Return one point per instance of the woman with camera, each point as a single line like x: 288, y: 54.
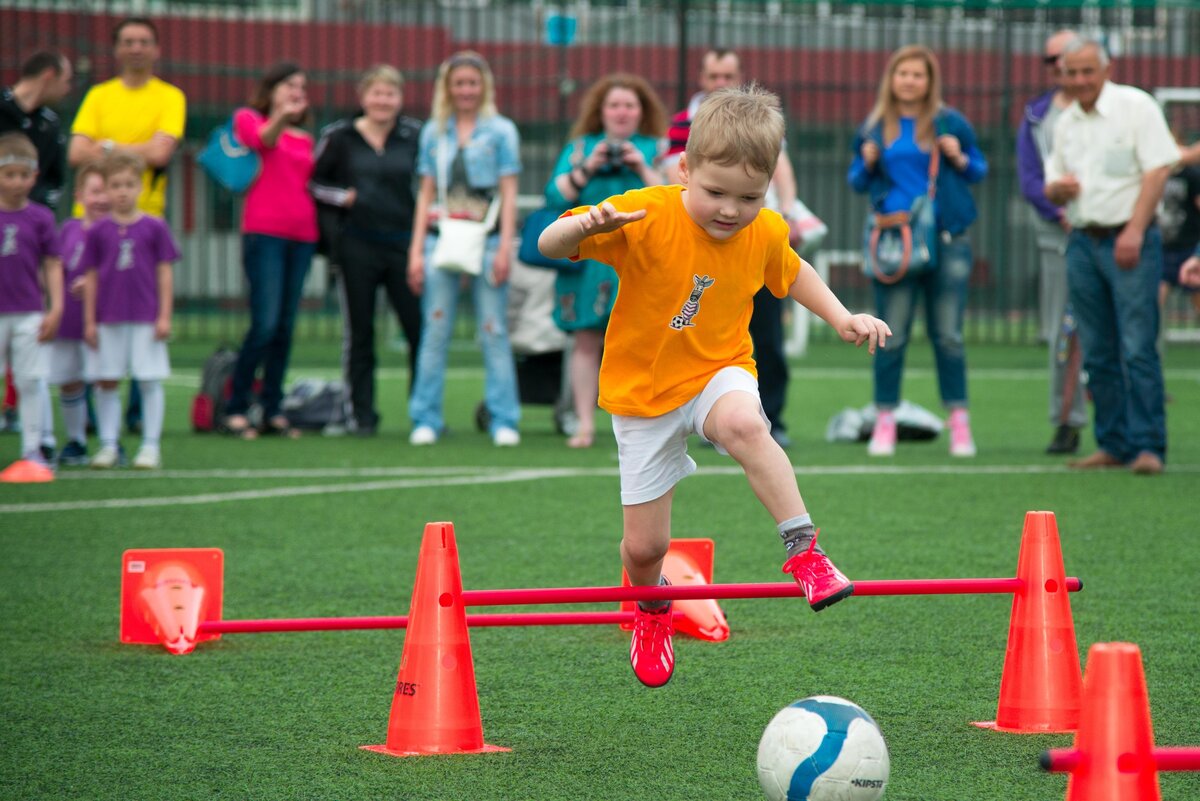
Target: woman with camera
x: 614, y: 142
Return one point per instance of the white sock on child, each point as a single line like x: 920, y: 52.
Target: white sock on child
x: 29, y: 404
x: 153, y: 404
x: 108, y: 415
x: 47, y: 415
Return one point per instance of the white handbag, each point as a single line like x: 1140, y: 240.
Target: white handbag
x: 460, y: 244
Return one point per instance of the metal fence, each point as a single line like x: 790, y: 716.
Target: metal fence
x: 823, y: 58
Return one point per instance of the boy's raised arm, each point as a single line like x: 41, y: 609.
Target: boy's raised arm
x: 561, y: 238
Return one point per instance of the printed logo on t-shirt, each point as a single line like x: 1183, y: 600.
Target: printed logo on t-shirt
x: 76, y: 255
x: 125, y: 256
x: 9, y: 248
x: 692, y: 307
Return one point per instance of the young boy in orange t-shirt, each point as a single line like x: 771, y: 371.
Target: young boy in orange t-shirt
x: 678, y: 355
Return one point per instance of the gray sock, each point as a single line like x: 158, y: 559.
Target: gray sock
x: 797, y: 534
x: 655, y: 606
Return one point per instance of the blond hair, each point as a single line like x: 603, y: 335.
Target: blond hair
x: 122, y: 161
x: 381, y: 73
x: 742, y: 126
x: 886, y: 108
x: 443, y: 105
x: 16, y: 146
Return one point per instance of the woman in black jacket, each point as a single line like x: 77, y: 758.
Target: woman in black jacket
x: 364, y: 178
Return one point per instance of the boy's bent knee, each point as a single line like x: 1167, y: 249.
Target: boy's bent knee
x: 733, y: 424
x: 644, y: 552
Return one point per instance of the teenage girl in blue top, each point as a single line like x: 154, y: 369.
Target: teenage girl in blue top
x: 891, y: 163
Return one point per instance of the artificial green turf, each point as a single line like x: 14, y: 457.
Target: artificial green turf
x: 281, y: 715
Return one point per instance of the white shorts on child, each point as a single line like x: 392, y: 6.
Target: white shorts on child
x: 19, y: 346
x: 67, y: 361
x: 653, y: 450
x: 128, y: 349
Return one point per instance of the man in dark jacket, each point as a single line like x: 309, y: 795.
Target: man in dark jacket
x: 25, y: 108
x: 1035, y: 141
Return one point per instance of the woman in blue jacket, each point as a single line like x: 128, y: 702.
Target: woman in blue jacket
x: 614, y: 144
x: 468, y: 160
x: 891, y: 163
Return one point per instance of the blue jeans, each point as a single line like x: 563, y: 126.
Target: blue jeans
x: 945, y: 293
x: 439, y: 302
x: 275, y: 270
x: 1117, y: 314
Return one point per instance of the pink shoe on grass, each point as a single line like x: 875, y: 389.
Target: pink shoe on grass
x: 823, y: 583
x: 883, y: 437
x: 651, y: 651
x: 961, y: 442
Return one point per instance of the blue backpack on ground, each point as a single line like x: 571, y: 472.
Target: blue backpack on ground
x: 229, y: 162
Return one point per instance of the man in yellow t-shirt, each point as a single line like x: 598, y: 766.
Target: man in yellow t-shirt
x: 677, y: 352
x: 134, y: 111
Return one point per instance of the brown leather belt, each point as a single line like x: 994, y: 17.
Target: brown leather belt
x: 1103, y: 231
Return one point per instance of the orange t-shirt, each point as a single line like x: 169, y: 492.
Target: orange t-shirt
x: 684, y: 301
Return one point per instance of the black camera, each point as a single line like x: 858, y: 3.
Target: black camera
x: 616, y: 155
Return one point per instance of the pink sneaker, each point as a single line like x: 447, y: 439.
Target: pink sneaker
x: 823, y: 583
x: 961, y: 442
x: 650, y: 651
x: 883, y: 438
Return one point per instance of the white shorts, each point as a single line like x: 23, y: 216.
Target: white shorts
x: 128, y: 349
x: 67, y: 360
x: 653, y: 450
x: 19, y: 346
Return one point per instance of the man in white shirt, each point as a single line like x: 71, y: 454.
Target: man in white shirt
x: 1111, y: 158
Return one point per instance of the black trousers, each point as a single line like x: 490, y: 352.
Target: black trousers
x: 365, y: 266
x: 766, y: 329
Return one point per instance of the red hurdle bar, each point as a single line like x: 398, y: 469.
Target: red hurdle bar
x: 401, y: 621
x: 564, y: 595
x: 1183, y: 757
x: 775, y: 589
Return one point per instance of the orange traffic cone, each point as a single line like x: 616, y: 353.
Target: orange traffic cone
x: 1041, y: 685
x: 435, y: 707
x: 26, y: 471
x: 689, y: 561
x: 166, y: 593
x: 1115, y: 741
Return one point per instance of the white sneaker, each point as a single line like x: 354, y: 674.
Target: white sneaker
x: 105, y: 458
x: 147, y: 459
x: 422, y: 435
x: 506, y: 438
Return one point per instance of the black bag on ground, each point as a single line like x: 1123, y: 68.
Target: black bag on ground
x: 216, y: 386
x: 315, y: 405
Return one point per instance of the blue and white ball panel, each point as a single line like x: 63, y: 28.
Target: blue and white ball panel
x: 822, y: 748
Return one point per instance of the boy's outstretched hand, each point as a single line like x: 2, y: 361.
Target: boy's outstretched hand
x: 860, y: 328
x: 604, y: 218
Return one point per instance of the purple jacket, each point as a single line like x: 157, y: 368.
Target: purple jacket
x: 1030, y: 172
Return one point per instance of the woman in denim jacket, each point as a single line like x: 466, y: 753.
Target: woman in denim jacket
x: 891, y: 164
x: 472, y: 151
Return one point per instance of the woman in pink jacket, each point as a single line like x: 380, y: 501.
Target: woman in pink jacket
x: 279, y: 235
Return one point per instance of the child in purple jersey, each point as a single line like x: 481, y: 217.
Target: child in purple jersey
x: 127, y: 310
x: 28, y: 246
x: 68, y: 353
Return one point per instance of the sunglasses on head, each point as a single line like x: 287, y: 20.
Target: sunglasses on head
x: 1051, y: 60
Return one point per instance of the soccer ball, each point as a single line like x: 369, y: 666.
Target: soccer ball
x: 822, y: 748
